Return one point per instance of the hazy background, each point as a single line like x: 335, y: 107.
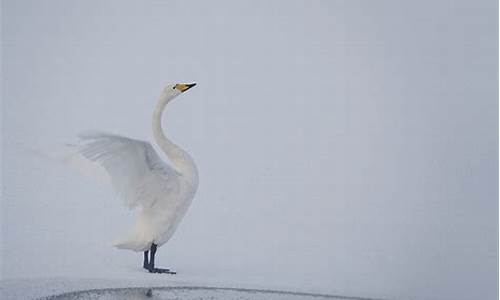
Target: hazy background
x: 343, y: 146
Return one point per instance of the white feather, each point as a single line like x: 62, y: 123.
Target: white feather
x: 135, y: 170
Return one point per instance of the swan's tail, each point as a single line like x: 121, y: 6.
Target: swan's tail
x: 139, y: 238
x: 137, y: 245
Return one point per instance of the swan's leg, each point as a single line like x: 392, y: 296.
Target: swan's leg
x: 145, y: 264
x: 151, y: 267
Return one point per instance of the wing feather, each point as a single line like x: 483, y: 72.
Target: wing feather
x: 136, y: 171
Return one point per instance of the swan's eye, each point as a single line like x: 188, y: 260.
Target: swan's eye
x: 173, y: 88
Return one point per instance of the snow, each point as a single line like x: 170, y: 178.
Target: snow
x: 59, y: 289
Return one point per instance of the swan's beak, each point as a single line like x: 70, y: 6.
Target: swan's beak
x: 184, y: 86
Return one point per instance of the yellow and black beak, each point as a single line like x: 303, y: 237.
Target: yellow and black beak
x: 184, y: 86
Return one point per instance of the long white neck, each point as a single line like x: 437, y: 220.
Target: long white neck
x: 180, y: 159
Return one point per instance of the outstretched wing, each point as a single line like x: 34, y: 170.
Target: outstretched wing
x: 136, y: 171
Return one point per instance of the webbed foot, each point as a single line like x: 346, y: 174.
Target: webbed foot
x: 161, y: 271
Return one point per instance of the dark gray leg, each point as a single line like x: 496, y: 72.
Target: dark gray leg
x: 151, y: 267
x: 145, y: 264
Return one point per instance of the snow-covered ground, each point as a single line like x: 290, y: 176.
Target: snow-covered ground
x: 105, y: 289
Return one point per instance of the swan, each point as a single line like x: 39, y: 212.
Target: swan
x: 141, y: 178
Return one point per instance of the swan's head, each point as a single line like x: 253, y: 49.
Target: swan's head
x: 173, y: 90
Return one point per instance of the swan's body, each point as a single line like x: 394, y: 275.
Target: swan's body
x: 141, y: 178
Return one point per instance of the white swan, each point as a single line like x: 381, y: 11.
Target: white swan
x: 141, y: 178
